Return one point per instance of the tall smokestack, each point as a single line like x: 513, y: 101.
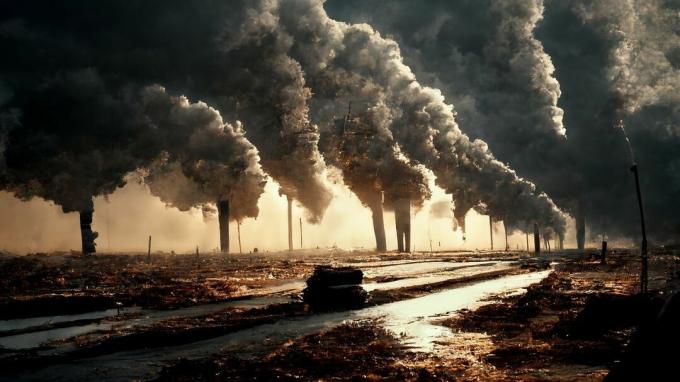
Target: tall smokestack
x: 86, y: 233
x: 290, y: 223
x: 537, y: 239
x: 223, y: 219
x: 402, y: 217
x: 580, y: 226
x: 378, y: 222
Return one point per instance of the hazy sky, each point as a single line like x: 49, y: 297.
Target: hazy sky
x: 132, y: 213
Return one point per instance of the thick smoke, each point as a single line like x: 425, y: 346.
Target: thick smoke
x: 484, y: 57
x: 613, y: 60
x: 617, y: 60
x: 352, y: 61
x: 206, y: 159
x: 207, y: 54
x: 266, y: 89
x: 74, y: 139
x: 249, y: 60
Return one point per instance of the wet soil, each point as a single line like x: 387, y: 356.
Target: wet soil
x: 357, y: 351
x: 576, y: 324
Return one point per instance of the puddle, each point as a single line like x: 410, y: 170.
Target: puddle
x: 409, y: 269
x: 25, y: 323
x: 34, y: 339
x: 414, y: 318
x: 148, y: 317
x: 436, y: 278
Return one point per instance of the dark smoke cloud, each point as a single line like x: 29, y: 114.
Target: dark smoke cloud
x: 247, y: 59
x: 613, y: 60
x: 73, y: 139
x: 363, y: 147
x: 201, y: 54
x: 616, y: 61
x: 484, y: 57
x: 352, y: 61
x: 206, y: 159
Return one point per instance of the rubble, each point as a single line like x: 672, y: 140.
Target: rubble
x: 335, y: 288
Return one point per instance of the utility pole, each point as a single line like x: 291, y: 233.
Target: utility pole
x: 148, y: 252
x: 527, y: 235
x: 300, y: 233
x: 505, y: 229
x: 491, y: 231
x: 290, y: 223
x: 238, y: 231
x: 643, y: 247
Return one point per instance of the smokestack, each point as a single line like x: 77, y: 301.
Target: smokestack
x: 290, y: 223
x: 580, y: 226
x: 86, y: 233
x: 491, y: 231
x: 537, y: 239
x: 378, y: 222
x: 223, y: 219
x: 402, y: 217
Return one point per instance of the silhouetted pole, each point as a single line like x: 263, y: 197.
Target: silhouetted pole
x: 537, y: 239
x: 238, y: 232
x: 603, y: 254
x: 290, y: 223
x: 491, y: 231
x: 643, y: 248
x: 527, y: 235
x: 148, y: 252
x: 505, y: 229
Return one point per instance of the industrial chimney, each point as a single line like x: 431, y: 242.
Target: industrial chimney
x: 402, y: 217
x: 537, y: 239
x: 580, y: 226
x: 223, y: 219
x: 376, y: 206
x: 87, y: 235
x: 290, y: 223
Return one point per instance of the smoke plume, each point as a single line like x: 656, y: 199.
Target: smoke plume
x: 352, y: 61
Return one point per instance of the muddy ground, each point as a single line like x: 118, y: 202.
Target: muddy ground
x: 237, y: 322
x: 576, y: 324
x: 65, y: 283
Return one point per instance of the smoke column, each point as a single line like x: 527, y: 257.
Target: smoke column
x: 356, y: 62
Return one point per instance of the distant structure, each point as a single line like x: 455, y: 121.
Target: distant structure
x: 223, y: 219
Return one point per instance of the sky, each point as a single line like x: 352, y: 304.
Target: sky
x: 126, y: 218
x: 508, y: 109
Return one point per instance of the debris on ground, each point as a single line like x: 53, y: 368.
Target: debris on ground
x: 335, y: 289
